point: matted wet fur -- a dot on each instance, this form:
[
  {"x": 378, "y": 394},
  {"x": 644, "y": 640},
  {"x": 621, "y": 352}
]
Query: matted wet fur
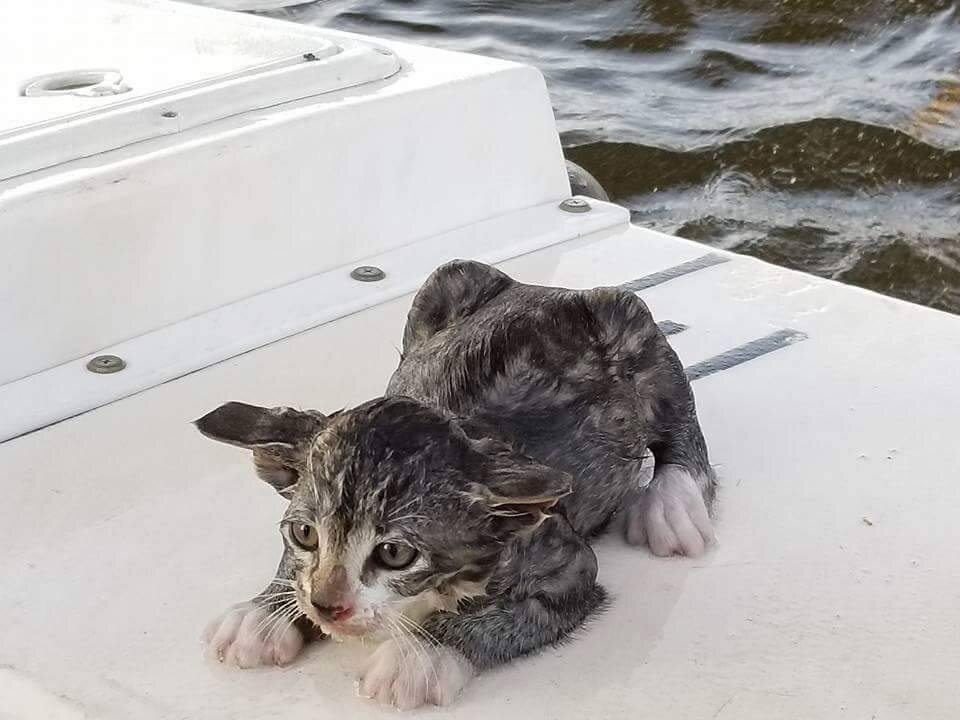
[{"x": 451, "y": 517}]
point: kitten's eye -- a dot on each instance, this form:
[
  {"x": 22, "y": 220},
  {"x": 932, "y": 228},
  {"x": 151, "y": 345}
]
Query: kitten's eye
[
  {"x": 305, "y": 536},
  {"x": 394, "y": 556}
]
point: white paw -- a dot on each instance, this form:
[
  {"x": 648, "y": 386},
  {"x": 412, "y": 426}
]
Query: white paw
[
  {"x": 247, "y": 636},
  {"x": 411, "y": 673},
  {"x": 670, "y": 515}
]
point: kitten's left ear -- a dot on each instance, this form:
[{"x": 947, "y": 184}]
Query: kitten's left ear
[
  {"x": 277, "y": 436},
  {"x": 515, "y": 486}
]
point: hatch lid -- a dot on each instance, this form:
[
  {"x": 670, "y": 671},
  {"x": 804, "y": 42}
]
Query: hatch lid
[{"x": 78, "y": 79}]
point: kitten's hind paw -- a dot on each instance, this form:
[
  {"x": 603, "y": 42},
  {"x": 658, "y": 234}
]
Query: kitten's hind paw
[
  {"x": 248, "y": 636},
  {"x": 670, "y": 515},
  {"x": 410, "y": 675}
]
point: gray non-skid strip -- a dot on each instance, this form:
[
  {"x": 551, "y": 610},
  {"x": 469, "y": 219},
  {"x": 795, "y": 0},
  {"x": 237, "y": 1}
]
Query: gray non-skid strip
[
  {"x": 725, "y": 360},
  {"x": 669, "y": 327},
  {"x": 649, "y": 281},
  {"x": 744, "y": 353}
]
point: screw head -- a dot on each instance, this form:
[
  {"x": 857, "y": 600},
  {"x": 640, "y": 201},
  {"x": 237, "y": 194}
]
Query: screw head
[
  {"x": 575, "y": 205},
  {"x": 106, "y": 364},
  {"x": 367, "y": 273}
]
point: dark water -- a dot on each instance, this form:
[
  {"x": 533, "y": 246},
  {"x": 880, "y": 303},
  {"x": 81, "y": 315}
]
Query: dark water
[{"x": 822, "y": 135}]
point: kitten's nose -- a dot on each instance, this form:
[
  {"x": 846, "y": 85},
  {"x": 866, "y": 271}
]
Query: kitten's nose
[{"x": 337, "y": 613}]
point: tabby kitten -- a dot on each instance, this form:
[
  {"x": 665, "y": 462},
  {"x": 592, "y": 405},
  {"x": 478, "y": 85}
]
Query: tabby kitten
[{"x": 451, "y": 518}]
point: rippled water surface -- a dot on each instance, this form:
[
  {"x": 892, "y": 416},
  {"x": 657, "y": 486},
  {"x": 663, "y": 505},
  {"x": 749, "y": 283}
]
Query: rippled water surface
[{"x": 819, "y": 134}]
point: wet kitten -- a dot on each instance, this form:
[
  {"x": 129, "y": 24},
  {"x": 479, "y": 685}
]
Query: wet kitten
[{"x": 451, "y": 517}]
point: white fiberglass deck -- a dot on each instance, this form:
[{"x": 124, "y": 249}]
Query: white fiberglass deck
[
  {"x": 180, "y": 50},
  {"x": 110, "y": 73},
  {"x": 833, "y": 593}
]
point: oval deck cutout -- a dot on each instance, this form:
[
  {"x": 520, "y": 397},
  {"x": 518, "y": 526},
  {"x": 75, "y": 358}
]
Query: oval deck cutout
[{"x": 85, "y": 83}]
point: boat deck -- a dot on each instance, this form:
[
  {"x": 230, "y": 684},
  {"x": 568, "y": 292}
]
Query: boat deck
[{"x": 830, "y": 413}]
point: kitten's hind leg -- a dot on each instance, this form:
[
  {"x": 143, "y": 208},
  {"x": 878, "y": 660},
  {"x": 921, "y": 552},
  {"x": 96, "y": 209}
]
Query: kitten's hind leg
[{"x": 672, "y": 513}]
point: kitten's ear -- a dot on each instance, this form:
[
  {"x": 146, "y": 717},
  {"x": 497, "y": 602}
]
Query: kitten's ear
[
  {"x": 517, "y": 487},
  {"x": 277, "y": 436}
]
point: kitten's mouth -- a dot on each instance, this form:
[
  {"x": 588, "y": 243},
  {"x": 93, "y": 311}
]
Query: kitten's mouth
[
  {"x": 347, "y": 628},
  {"x": 344, "y": 629}
]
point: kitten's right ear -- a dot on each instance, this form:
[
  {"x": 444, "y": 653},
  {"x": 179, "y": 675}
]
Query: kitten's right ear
[{"x": 278, "y": 437}]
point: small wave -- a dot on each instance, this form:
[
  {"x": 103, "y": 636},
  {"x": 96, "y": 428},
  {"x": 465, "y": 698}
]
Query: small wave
[
  {"x": 938, "y": 122},
  {"x": 825, "y": 154},
  {"x": 638, "y": 42},
  {"x": 717, "y": 69},
  {"x": 910, "y": 268},
  {"x": 887, "y": 241},
  {"x": 394, "y": 23}
]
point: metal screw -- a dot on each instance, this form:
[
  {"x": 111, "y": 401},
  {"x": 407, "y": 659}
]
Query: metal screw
[
  {"x": 170, "y": 114},
  {"x": 106, "y": 364},
  {"x": 575, "y": 205},
  {"x": 368, "y": 273}
]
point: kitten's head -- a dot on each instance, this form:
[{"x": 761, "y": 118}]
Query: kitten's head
[{"x": 393, "y": 509}]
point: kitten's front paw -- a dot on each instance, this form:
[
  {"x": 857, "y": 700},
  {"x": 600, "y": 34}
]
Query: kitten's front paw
[
  {"x": 246, "y": 636},
  {"x": 410, "y": 675},
  {"x": 670, "y": 516}
]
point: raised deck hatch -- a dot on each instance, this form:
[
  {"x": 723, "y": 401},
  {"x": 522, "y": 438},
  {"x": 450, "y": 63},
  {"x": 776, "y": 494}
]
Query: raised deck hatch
[{"x": 95, "y": 71}]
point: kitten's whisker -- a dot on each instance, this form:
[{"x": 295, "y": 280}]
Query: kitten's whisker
[
  {"x": 274, "y": 613},
  {"x": 390, "y": 628},
  {"x": 288, "y": 619},
  {"x": 428, "y": 657},
  {"x": 431, "y": 658},
  {"x": 398, "y": 510},
  {"x": 420, "y": 630},
  {"x": 404, "y": 636},
  {"x": 267, "y": 619},
  {"x": 279, "y": 621},
  {"x": 408, "y": 517},
  {"x": 400, "y": 638},
  {"x": 421, "y": 652},
  {"x": 417, "y": 628},
  {"x": 282, "y": 581}
]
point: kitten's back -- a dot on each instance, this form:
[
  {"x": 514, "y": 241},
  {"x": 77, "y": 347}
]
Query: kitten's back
[{"x": 551, "y": 370}]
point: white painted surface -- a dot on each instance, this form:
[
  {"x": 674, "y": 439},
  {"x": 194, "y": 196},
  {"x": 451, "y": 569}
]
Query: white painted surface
[
  {"x": 250, "y": 4},
  {"x": 247, "y": 324},
  {"x": 158, "y": 47},
  {"x": 103, "y": 249},
  {"x": 123, "y": 531},
  {"x": 126, "y": 119}
]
